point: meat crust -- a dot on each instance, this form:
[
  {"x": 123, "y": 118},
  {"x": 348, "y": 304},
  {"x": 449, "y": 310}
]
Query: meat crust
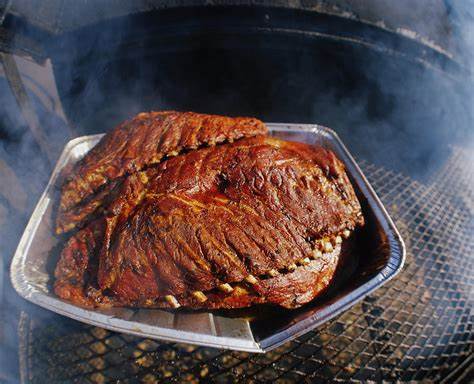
[
  {"x": 140, "y": 142},
  {"x": 257, "y": 220}
]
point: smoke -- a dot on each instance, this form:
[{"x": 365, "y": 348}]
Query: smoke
[
  {"x": 390, "y": 109},
  {"x": 462, "y": 16},
  {"x": 24, "y": 171}
]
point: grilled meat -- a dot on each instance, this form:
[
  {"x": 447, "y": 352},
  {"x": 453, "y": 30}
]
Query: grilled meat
[
  {"x": 140, "y": 142},
  {"x": 259, "y": 220},
  {"x": 290, "y": 287}
]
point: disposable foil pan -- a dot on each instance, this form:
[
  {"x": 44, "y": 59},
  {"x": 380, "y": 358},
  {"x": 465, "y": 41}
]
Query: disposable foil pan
[{"x": 378, "y": 257}]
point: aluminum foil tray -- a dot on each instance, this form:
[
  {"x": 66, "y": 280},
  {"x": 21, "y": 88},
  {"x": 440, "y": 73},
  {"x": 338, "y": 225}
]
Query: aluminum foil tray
[{"x": 379, "y": 255}]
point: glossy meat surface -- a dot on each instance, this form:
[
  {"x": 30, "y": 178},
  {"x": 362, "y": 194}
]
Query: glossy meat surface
[
  {"x": 259, "y": 220},
  {"x": 140, "y": 142}
]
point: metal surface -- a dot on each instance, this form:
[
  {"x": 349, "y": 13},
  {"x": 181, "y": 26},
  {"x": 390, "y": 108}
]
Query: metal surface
[
  {"x": 380, "y": 257},
  {"x": 425, "y": 21},
  {"x": 21, "y": 95},
  {"x": 418, "y": 327}
]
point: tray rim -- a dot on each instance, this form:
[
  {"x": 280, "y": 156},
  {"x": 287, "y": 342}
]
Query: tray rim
[{"x": 393, "y": 265}]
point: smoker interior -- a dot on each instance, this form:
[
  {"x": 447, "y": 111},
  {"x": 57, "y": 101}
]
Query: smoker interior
[
  {"x": 278, "y": 65},
  {"x": 403, "y": 109}
]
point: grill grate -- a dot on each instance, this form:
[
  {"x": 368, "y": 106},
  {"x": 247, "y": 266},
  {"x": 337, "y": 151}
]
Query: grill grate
[{"x": 418, "y": 326}]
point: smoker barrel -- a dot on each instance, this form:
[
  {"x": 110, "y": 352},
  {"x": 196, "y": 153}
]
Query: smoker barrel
[{"x": 399, "y": 95}]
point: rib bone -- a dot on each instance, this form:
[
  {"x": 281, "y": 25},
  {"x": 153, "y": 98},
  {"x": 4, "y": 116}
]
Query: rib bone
[
  {"x": 240, "y": 290},
  {"x": 304, "y": 261},
  {"x": 227, "y": 288},
  {"x": 172, "y": 301},
  {"x": 251, "y": 279},
  {"x": 292, "y": 267},
  {"x": 201, "y": 297},
  {"x": 327, "y": 246},
  {"x": 273, "y": 272}
]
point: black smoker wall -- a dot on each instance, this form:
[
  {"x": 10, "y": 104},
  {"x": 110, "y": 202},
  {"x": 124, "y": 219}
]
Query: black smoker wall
[{"x": 392, "y": 102}]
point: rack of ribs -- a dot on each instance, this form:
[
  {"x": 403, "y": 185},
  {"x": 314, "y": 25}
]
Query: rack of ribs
[{"x": 178, "y": 209}]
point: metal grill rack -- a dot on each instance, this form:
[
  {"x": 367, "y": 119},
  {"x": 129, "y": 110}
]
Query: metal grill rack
[{"x": 418, "y": 326}]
